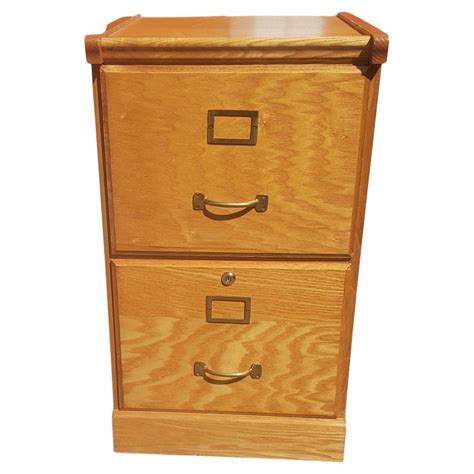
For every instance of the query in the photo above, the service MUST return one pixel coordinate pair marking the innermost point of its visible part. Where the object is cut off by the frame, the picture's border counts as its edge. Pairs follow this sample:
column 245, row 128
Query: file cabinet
column 234, row 157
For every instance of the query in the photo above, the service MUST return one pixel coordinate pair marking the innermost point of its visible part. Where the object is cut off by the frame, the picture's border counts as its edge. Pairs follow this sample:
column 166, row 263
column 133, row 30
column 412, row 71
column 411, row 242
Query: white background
column 411, row 385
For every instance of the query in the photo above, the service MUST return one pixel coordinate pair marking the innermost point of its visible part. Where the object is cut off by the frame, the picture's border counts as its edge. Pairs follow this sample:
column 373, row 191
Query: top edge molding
column 341, row 39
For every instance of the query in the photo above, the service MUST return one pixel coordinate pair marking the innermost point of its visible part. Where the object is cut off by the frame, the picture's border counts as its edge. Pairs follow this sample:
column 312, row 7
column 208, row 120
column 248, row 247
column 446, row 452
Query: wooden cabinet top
column 316, row 39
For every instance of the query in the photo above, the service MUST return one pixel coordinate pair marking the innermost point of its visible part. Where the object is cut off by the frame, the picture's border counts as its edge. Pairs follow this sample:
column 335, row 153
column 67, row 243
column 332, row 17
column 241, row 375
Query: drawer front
column 306, row 120
column 291, row 336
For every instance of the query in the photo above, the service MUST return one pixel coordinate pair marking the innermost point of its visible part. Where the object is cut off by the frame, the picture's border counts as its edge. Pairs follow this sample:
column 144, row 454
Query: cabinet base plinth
column 212, row 434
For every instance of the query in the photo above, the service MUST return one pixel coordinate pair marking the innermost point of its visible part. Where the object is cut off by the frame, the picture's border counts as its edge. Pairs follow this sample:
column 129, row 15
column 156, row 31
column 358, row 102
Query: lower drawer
column 274, row 333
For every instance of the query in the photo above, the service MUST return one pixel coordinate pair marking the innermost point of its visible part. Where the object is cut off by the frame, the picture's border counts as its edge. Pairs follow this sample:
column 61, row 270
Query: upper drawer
column 305, row 157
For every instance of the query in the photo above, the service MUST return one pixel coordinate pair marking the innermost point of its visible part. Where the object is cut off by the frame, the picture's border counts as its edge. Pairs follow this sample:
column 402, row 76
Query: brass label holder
column 211, row 319
column 252, row 114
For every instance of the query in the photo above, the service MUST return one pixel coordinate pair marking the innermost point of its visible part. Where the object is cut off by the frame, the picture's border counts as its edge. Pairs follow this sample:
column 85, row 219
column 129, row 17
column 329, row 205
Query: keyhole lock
column 228, row 278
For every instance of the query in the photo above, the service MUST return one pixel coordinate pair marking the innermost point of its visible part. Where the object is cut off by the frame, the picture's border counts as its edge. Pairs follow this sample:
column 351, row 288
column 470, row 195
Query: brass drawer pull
column 201, row 370
column 260, row 203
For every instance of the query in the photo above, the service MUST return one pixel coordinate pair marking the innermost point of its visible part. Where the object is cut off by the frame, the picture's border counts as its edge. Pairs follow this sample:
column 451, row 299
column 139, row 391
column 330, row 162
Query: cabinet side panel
column 96, row 84
column 365, row 152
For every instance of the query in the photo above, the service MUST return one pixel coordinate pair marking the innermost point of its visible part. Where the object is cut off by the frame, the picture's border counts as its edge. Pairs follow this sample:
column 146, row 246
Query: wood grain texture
column 305, row 158
column 379, row 39
column 294, row 331
column 229, row 435
column 368, row 126
column 231, row 39
column 232, row 127
column 238, row 28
